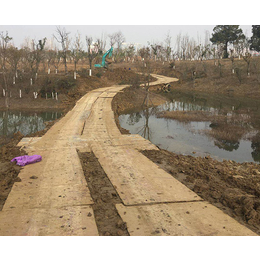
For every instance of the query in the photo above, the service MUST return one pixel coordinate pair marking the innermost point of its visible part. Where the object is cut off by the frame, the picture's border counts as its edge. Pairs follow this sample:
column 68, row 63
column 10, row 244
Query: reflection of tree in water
column 227, row 135
column 145, row 130
column 134, row 118
column 11, row 123
column 227, row 145
column 255, row 145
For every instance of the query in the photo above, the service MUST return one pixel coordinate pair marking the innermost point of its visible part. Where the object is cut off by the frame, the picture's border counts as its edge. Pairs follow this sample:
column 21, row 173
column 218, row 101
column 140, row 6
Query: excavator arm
column 104, row 64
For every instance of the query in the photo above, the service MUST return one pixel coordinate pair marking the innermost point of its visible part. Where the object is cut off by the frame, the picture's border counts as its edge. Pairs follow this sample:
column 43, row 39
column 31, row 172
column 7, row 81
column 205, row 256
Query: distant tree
column 4, row 44
column 63, row 38
column 14, row 57
column 56, row 60
column 92, row 51
column 247, row 58
column 156, row 48
column 168, row 49
column 76, row 52
column 144, row 53
column 50, row 56
column 38, row 52
column 119, row 38
column 129, row 51
column 184, row 46
column 112, row 39
column 255, row 39
column 226, row 34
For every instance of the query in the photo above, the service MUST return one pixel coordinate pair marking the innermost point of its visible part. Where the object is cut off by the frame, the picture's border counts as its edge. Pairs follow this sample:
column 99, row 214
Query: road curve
column 58, row 202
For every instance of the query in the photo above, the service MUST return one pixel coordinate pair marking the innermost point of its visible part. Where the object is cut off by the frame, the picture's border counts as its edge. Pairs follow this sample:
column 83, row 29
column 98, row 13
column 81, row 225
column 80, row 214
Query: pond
column 234, row 136
column 25, row 122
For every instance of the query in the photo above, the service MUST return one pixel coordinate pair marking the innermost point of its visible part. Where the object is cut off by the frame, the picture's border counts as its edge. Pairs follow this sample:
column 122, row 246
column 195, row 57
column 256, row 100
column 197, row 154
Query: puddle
column 26, row 122
column 235, row 137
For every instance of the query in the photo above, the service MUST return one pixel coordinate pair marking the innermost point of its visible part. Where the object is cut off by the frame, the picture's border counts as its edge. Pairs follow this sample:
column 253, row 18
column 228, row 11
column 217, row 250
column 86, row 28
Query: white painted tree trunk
column 233, row 71
column 20, row 93
column 35, row 94
column 3, row 92
column 52, row 95
column 75, row 75
column 90, row 72
column 49, row 71
column 56, row 96
column 16, row 74
column 31, row 81
column 56, row 71
column 14, row 80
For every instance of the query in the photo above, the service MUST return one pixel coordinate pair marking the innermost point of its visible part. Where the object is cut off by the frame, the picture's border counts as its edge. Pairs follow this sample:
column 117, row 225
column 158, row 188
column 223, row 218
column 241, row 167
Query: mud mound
column 121, row 75
column 232, row 187
column 9, row 171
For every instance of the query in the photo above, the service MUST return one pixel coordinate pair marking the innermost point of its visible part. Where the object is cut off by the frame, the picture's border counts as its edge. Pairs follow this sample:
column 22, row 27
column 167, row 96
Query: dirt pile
column 121, row 75
column 232, row 187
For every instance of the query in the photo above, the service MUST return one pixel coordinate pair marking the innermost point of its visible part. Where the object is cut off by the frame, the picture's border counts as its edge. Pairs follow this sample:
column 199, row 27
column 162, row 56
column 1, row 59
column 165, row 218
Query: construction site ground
column 95, row 181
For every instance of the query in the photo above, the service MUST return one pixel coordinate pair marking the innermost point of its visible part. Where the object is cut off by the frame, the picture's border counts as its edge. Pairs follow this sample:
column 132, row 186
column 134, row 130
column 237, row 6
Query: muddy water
column 26, row 122
column 202, row 138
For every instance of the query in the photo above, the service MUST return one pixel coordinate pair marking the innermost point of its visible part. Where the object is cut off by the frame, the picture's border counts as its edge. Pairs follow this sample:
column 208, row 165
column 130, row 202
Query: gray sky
column 133, row 33
column 139, row 21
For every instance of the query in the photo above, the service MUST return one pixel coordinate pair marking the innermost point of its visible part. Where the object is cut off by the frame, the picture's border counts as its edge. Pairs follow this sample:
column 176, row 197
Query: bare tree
column 92, row 51
column 184, row 46
column 38, row 53
column 168, row 49
column 14, row 57
column 119, row 38
column 247, row 58
column 50, row 56
column 56, row 60
column 62, row 37
column 178, row 46
column 76, row 52
column 112, row 39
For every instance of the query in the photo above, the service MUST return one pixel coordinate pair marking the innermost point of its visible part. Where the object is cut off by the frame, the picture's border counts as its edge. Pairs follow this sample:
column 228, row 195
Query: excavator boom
column 104, row 64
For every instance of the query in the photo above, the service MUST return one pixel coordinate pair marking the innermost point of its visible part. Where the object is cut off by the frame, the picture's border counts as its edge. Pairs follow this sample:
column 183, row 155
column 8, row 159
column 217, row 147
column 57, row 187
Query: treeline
column 23, row 65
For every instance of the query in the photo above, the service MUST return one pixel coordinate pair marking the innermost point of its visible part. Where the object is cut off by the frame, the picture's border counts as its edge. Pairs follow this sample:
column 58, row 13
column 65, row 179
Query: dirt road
column 53, row 197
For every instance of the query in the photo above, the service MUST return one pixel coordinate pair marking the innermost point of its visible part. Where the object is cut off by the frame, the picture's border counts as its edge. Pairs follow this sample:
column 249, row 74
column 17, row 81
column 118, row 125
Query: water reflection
column 12, row 121
column 230, row 129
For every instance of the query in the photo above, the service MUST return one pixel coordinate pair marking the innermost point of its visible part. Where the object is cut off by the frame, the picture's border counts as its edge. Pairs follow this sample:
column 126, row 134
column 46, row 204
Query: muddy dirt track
column 148, row 200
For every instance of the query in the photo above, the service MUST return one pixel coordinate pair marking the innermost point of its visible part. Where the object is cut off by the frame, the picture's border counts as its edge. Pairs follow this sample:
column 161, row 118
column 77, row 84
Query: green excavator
column 104, row 64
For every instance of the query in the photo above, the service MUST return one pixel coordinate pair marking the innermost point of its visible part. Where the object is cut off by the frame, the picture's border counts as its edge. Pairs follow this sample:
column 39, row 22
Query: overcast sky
column 139, row 21
column 133, row 33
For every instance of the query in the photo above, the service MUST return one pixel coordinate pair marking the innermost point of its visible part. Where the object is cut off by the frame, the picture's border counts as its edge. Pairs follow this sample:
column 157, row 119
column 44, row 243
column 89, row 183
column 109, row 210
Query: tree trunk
column 225, row 51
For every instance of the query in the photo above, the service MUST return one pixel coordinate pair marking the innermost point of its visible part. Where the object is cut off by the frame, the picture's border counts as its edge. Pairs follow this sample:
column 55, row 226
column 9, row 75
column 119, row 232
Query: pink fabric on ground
column 26, row 159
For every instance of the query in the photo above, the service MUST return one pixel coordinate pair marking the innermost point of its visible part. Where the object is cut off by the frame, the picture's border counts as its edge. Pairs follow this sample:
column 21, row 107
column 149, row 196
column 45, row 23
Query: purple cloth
column 26, row 159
